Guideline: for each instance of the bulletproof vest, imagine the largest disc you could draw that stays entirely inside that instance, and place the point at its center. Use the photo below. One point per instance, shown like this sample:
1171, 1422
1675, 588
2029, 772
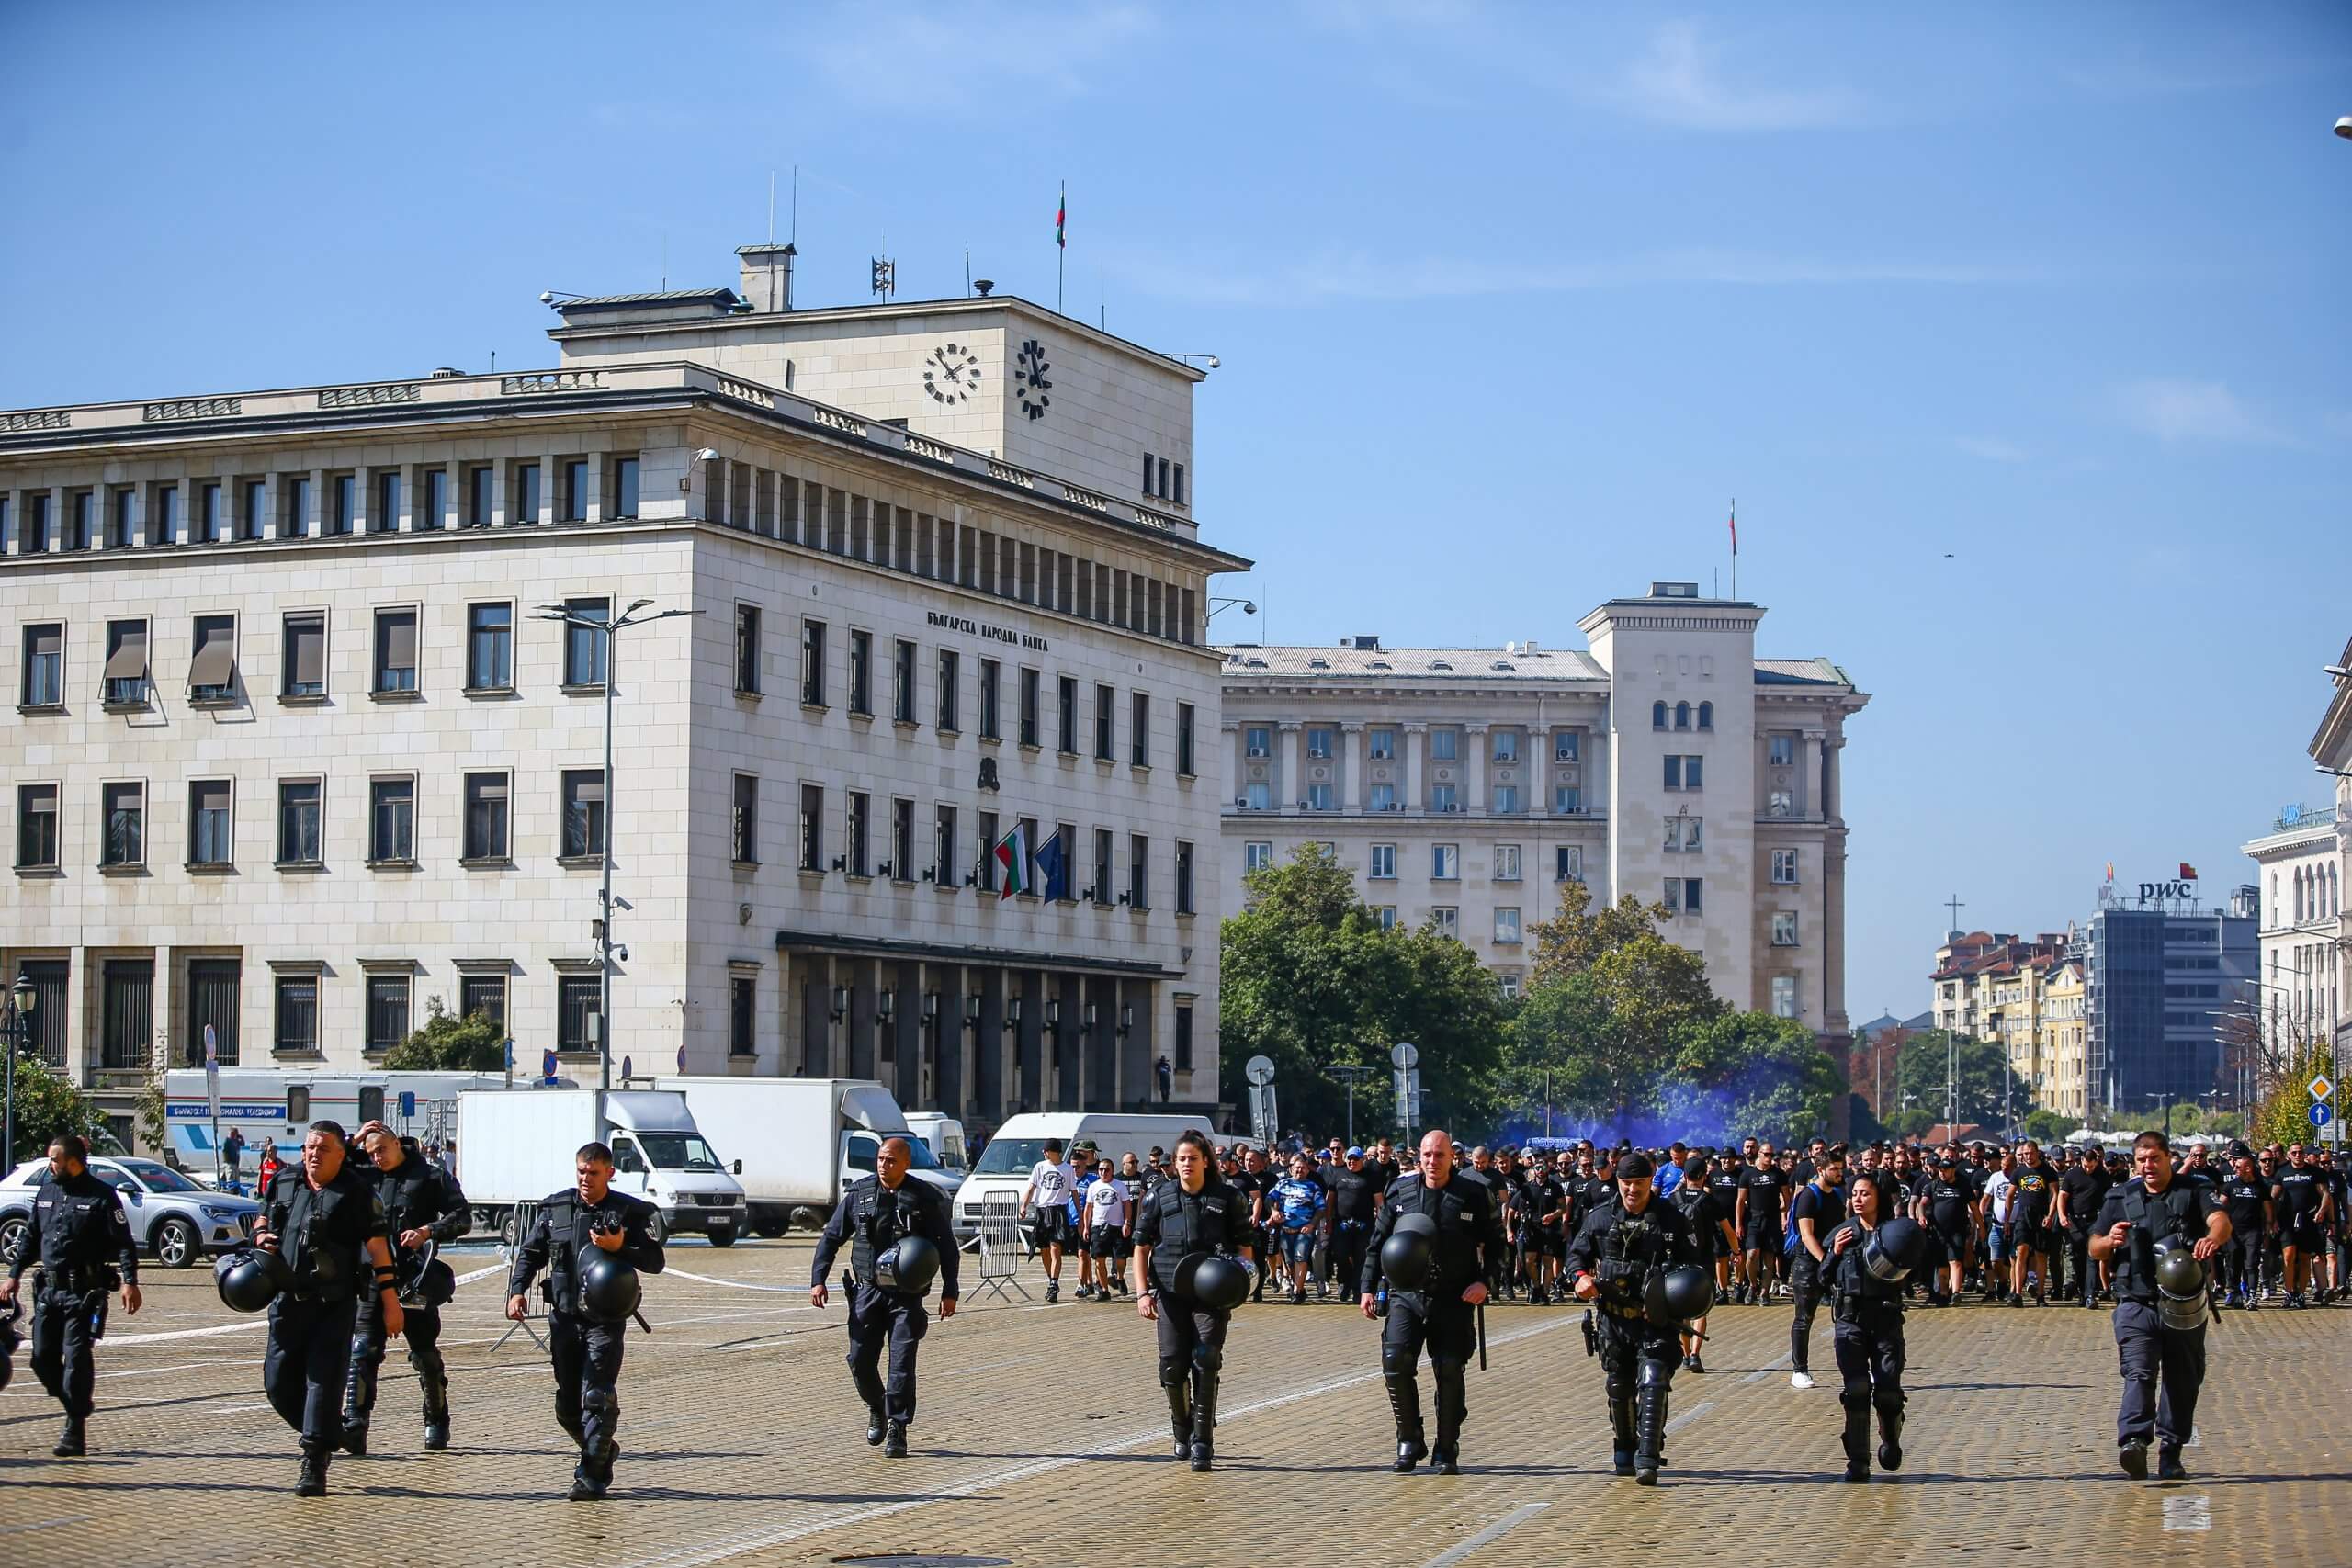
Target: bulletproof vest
1853, 1281
316, 1238
1632, 1246
1687, 1198
1192, 1222
879, 1216
2153, 1219
566, 1220
76, 1235
1453, 1255
413, 1194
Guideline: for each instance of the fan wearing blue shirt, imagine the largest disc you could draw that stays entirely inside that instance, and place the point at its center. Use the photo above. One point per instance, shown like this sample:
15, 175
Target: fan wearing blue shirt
1298, 1202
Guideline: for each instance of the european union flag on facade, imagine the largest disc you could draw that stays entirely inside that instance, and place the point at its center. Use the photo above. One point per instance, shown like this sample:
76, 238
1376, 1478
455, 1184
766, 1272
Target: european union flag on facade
1053, 865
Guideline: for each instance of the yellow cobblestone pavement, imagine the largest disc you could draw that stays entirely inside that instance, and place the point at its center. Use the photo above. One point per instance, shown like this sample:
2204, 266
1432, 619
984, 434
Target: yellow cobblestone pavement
1040, 1440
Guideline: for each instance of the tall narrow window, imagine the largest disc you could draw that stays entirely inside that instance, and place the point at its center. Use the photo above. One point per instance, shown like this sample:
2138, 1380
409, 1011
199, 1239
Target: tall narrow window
1184, 1063
942, 844
1183, 878
1103, 892
298, 821
481, 491
391, 821
490, 648
385, 516
211, 513
1065, 713
297, 1025
949, 676
1104, 697
583, 813
584, 646
579, 1013
861, 807
573, 498
1185, 740
303, 670
812, 663
346, 502
747, 650
37, 828
1030, 733
522, 505
432, 505
1139, 872
747, 820
812, 826
990, 728
742, 1013
388, 997
126, 668
861, 673
209, 823
120, 530
486, 817
124, 809
44, 677
1139, 731
395, 651
255, 516
623, 500
984, 874
902, 682
902, 841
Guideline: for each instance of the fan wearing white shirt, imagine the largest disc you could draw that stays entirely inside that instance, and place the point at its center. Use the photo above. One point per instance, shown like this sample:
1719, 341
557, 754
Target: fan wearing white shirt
1105, 1223
1046, 1199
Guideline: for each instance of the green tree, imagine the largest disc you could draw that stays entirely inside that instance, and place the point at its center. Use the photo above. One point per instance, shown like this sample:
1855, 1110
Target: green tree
1735, 1075
48, 1103
2284, 1116
1919, 1074
152, 1131
2049, 1127
1310, 979
1578, 937
448, 1043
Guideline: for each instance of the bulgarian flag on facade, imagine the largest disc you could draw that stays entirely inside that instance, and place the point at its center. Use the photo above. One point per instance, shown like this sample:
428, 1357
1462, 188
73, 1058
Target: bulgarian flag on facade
1013, 863
1062, 215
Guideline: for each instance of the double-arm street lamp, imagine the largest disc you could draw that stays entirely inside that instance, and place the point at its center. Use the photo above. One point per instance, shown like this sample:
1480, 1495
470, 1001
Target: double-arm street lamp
608, 627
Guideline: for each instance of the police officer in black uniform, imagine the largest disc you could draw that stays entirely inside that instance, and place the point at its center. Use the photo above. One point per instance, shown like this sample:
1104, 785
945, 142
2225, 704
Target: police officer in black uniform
1610, 1259
423, 1205
322, 1217
873, 1216
2155, 1209
80, 1237
1196, 1213
572, 1228
1866, 1321
1441, 1313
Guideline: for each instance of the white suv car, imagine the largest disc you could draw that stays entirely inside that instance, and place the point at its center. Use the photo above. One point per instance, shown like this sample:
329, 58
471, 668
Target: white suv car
172, 1217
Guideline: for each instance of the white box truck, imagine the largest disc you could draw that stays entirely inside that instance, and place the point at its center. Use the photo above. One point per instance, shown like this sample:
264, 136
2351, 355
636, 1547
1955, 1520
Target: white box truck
800, 1143
516, 1146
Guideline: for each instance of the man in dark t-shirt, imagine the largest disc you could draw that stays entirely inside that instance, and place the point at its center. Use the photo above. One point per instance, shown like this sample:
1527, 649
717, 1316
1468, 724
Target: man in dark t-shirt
2080, 1193
2030, 1244
1762, 1191
1948, 1208
2246, 1198
2302, 1202
1730, 1267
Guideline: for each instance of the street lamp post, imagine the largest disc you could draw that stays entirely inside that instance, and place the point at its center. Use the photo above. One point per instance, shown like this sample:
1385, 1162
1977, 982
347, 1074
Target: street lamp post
609, 628
22, 999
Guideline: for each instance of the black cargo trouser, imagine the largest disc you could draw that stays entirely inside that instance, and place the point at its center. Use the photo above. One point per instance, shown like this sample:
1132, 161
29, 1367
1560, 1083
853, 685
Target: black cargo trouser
1445, 1326
308, 1364
883, 1320
2163, 1369
2241, 1263
1345, 1254
61, 1357
1807, 1284
421, 1328
587, 1357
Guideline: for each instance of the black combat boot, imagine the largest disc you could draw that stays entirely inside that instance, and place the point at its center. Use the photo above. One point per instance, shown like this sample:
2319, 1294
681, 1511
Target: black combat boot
355, 1438
1621, 1423
1180, 1416
313, 1481
1890, 1436
1857, 1439
2133, 1457
2168, 1465
1452, 1405
70, 1438
1205, 1381
894, 1442
437, 1413
593, 1477
1405, 1402
874, 1423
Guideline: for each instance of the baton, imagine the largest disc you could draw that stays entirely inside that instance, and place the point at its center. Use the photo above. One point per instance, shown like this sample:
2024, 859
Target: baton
1482, 1337
641, 1321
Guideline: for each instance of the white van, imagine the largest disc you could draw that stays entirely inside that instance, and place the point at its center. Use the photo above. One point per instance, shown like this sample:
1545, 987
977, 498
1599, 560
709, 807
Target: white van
1004, 1164
945, 1137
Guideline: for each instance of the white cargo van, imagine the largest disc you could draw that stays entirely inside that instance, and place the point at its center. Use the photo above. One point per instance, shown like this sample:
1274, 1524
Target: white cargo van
799, 1144
945, 1137
1004, 1164
518, 1146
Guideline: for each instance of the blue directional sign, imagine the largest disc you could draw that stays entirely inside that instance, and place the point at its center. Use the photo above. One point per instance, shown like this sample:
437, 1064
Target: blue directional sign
2321, 1115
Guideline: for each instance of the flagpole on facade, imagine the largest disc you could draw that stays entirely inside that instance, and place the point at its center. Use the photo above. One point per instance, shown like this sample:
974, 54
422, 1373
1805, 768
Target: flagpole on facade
1735, 547
1061, 244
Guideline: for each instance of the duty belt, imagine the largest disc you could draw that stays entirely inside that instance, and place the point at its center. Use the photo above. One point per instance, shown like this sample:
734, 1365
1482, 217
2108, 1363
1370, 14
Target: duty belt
1624, 1310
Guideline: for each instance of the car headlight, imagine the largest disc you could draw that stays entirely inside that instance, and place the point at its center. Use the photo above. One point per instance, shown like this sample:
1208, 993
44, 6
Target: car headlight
220, 1213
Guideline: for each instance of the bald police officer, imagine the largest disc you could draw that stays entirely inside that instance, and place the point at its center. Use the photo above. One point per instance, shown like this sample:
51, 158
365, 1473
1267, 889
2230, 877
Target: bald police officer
1439, 1313
874, 1214
79, 1237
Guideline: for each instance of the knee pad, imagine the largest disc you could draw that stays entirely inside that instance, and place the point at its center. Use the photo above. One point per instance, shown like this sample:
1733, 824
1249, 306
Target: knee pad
1653, 1375
1855, 1396
1398, 1361
1447, 1369
1171, 1371
1890, 1402
603, 1401
1617, 1388
1208, 1358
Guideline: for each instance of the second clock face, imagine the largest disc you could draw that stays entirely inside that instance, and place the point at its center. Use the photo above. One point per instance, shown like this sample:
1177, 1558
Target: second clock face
1029, 376
952, 374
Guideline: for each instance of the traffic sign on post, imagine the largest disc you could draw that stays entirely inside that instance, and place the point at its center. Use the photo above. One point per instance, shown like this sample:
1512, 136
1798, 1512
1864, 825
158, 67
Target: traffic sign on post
1405, 1054
2321, 1088
1258, 1070
2320, 1114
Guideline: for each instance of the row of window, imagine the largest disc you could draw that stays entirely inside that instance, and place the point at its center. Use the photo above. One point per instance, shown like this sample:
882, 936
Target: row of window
427, 497
215, 667
1681, 715
1445, 861
1502, 800
1164, 479
1447, 918
1445, 742
948, 693
776, 504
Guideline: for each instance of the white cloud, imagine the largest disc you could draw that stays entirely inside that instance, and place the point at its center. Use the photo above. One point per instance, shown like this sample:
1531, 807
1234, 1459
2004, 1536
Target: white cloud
2176, 410
1679, 83
1992, 449
1341, 277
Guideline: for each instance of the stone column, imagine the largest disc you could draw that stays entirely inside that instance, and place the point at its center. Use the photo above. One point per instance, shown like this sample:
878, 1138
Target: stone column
860, 978
1417, 746
994, 1097
1474, 768
1137, 1084
907, 1043
1290, 783
1833, 936
1811, 802
1350, 759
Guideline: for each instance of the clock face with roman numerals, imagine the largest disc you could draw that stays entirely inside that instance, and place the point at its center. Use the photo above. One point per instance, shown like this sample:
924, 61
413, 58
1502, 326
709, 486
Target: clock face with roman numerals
1029, 377
952, 374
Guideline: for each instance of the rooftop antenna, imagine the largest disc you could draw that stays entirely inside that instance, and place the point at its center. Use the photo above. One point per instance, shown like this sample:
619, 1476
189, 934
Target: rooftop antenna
794, 239
967, 269
665, 261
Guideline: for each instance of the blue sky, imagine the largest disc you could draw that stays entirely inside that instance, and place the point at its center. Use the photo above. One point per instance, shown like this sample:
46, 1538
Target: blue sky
2018, 332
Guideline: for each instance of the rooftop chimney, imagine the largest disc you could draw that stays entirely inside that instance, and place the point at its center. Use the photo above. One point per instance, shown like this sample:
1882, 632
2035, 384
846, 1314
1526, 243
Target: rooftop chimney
767, 277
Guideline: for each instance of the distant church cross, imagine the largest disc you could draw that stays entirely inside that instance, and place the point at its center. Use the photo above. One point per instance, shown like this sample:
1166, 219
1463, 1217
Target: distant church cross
1956, 906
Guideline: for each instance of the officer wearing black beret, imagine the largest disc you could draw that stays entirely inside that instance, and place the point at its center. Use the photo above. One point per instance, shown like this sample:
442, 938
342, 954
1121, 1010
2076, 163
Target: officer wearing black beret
323, 1219
1610, 1260
80, 1237
2159, 1329
1439, 1309
1194, 1217
876, 1214
577, 1234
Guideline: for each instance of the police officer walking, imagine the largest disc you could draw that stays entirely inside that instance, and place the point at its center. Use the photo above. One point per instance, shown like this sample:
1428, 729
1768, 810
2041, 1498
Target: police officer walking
1193, 1226
1436, 1285
1611, 1261
1871, 1254
900, 1239
324, 1221
422, 1207
2159, 1232
592, 1242
79, 1237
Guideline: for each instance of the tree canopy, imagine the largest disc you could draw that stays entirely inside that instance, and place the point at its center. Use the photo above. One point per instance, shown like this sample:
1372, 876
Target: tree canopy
448, 1043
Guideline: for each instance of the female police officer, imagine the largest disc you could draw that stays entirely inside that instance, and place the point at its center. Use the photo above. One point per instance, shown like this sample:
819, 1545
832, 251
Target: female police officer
1872, 1253
1181, 1224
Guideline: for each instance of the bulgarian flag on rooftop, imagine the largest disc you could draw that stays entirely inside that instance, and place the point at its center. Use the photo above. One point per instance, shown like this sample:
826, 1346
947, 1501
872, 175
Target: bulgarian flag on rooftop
1013, 863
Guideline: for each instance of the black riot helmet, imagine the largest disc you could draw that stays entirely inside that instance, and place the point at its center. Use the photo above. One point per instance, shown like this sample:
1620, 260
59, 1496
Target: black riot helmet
609, 1289
250, 1278
1672, 1297
1893, 1251
908, 1264
1406, 1255
1213, 1280
2180, 1278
